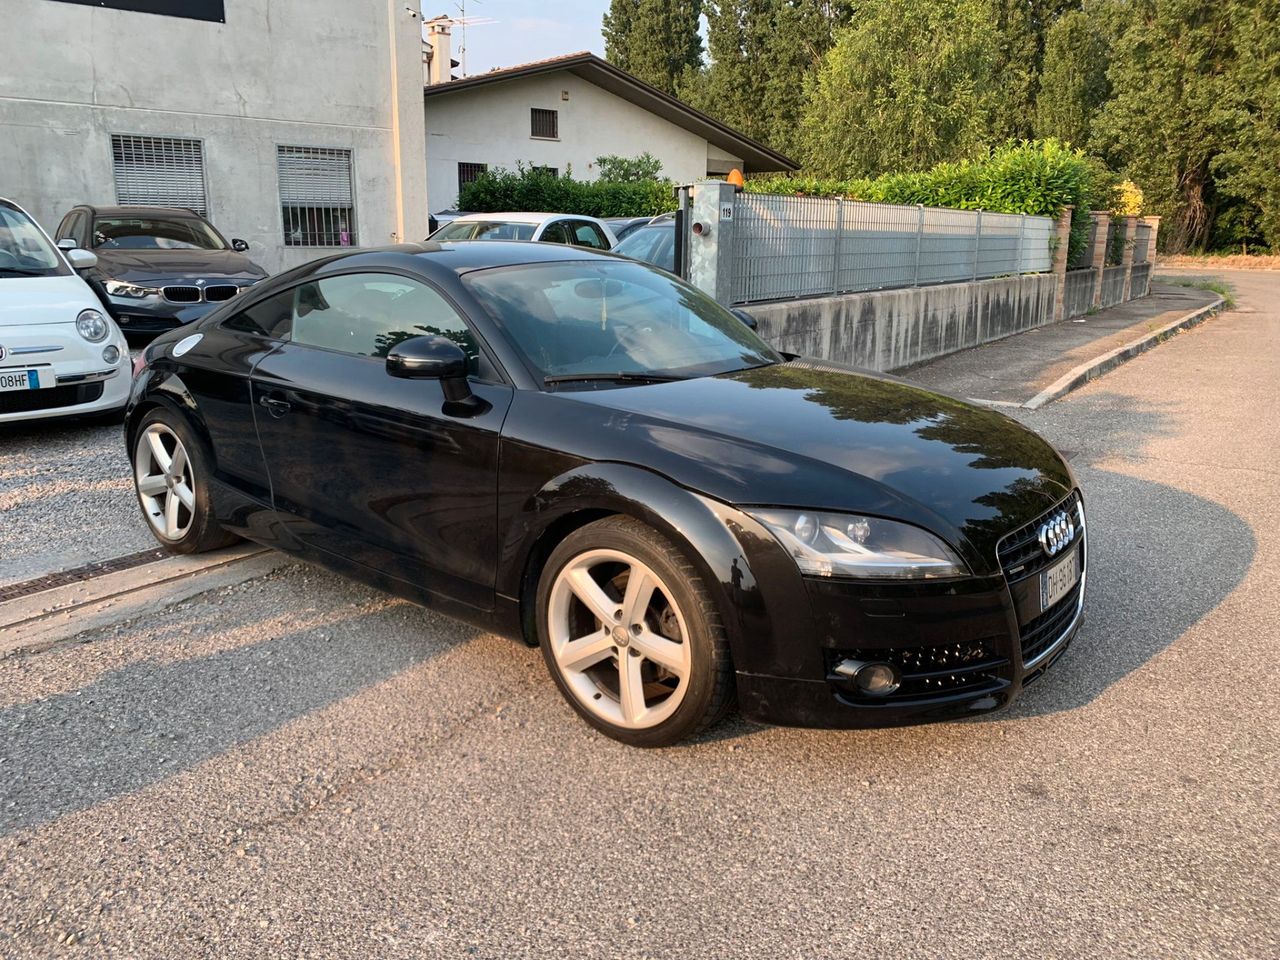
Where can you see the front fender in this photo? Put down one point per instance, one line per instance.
(754, 584)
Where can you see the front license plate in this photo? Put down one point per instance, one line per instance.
(24, 380)
(1057, 581)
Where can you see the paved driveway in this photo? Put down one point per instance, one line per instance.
(300, 767)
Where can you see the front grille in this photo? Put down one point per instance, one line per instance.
(220, 292)
(1020, 552)
(969, 666)
(26, 401)
(182, 294)
(1043, 632)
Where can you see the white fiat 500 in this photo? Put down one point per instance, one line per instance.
(60, 354)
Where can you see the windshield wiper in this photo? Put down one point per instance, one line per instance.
(22, 272)
(619, 376)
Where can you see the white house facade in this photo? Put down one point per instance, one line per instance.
(562, 114)
(295, 124)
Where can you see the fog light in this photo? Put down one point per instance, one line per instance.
(873, 679)
(110, 354)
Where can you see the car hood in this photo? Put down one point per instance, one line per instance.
(824, 436)
(158, 266)
(30, 301)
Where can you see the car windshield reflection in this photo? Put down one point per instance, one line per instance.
(617, 322)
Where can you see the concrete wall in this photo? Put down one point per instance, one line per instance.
(1078, 291)
(888, 329)
(490, 124)
(1140, 282)
(321, 73)
(1113, 285)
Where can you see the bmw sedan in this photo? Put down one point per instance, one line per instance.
(584, 453)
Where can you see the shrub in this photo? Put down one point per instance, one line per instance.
(615, 169)
(534, 190)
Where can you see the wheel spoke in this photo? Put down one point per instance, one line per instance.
(179, 462)
(586, 651)
(589, 592)
(185, 495)
(630, 688)
(151, 486)
(158, 453)
(640, 587)
(666, 653)
(171, 528)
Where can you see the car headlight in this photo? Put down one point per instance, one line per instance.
(92, 325)
(846, 545)
(118, 288)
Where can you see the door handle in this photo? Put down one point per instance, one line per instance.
(275, 406)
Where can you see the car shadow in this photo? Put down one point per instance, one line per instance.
(140, 724)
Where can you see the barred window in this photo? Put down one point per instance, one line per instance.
(547, 171)
(159, 171)
(544, 124)
(470, 173)
(316, 196)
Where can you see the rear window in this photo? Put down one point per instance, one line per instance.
(654, 244)
(485, 230)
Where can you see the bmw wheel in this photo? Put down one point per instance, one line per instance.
(170, 472)
(632, 636)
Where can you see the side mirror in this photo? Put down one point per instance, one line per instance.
(431, 358)
(745, 317)
(81, 259)
(238, 245)
(67, 243)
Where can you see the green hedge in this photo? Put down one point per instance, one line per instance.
(1034, 177)
(533, 190)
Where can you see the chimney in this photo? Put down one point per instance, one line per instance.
(440, 69)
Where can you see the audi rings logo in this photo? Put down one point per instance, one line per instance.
(1056, 533)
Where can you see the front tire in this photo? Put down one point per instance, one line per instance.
(171, 470)
(632, 636)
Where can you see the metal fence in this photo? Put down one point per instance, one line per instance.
(786, 247)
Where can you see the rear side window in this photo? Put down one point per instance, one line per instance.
(588, 235)
(556, 232)
(268, 318)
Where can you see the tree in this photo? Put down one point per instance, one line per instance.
(907, 84)
(656, 40)
(1073, 86)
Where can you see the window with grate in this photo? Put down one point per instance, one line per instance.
(544, 124)
(159, 171)
(316, 196)
(470, 173)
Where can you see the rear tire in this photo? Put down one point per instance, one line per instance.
(171, 470)
(631, 635)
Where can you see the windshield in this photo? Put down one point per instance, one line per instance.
(24, 249)
(150, 233)
(654, 244)
(485, 230)
(620, 317)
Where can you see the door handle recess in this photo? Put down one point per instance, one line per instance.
(275, 406)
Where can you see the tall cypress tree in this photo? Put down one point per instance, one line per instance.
(656, 40)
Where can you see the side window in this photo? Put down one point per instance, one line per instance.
(64, 228)
(366, 314)
(556, 232)
(588, 235)
(268, 318)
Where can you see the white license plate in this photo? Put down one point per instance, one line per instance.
(1057, 581)
(26, 380)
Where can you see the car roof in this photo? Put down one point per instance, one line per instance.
(464, 256)
(516, 217)
(141, 211)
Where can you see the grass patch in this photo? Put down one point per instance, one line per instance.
(1223, 261)
(1220, 287)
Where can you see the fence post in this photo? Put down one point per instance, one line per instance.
(919, 236)
(1130, 236)
(1101, 233)
(977, 246)
(709, 236)
(835, 258)
(1154, 223)
(1060, 263)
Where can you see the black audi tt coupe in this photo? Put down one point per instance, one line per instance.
(583, 452)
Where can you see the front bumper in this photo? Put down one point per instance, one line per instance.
(85, 383)
(962, 647)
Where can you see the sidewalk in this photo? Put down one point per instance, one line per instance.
(1033, 368)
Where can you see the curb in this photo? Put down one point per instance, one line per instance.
(41, 620)
(1078, 376)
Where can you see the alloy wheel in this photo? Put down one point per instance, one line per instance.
(619, 639)
(166, 486)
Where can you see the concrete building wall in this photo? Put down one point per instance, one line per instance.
(313, 73)
(490, 125)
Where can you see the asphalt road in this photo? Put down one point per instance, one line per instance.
(299, 767)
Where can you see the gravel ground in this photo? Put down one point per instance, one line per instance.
(300, 767)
